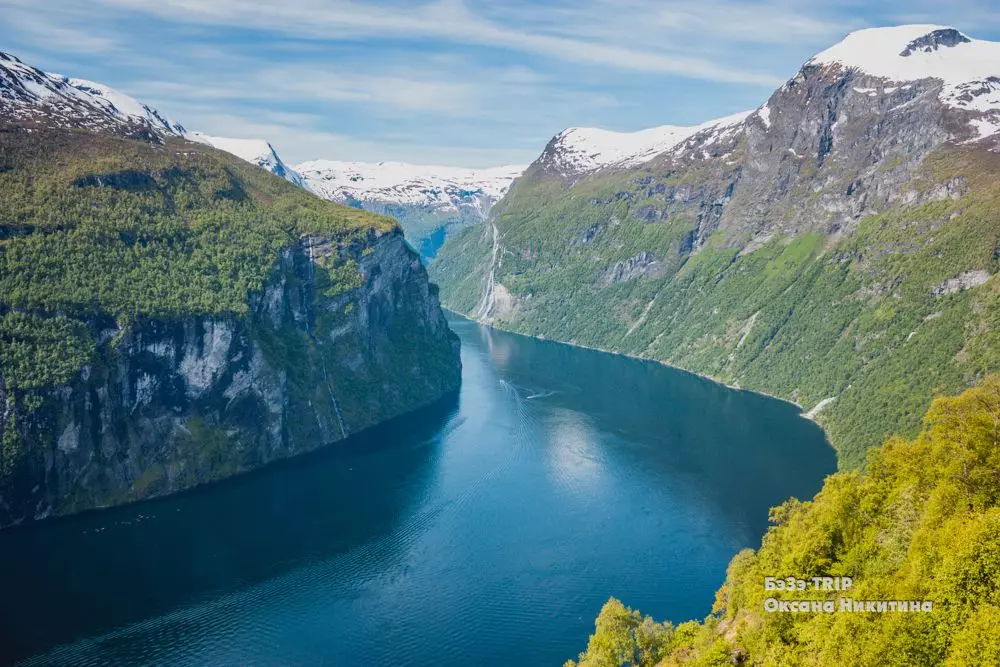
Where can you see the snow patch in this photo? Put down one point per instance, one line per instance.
(968, 68)
(444, 188)
(583, 149)
(764, 113)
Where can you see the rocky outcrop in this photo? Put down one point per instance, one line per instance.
(643, 264)
(963, 281)
(166, 405)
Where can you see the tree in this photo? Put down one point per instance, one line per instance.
(623, 638)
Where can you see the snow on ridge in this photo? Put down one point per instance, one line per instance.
(25, 88)
(126, 107)
(254, 151)
(246, 149)
(912, 52)
(969, 68)
(581, 149)
(406, 184)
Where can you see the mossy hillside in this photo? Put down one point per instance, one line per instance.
(922, 523)
(805, 317)
(100, 224)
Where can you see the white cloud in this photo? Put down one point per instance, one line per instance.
(49, 34)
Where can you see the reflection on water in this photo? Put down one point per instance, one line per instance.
(487, 529)
(574, 452)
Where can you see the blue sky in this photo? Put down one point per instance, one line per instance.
(464, 82)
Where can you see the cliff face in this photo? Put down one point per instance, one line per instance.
(164, 405)
(171, 314)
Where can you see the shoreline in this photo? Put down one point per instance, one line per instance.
(809, 416)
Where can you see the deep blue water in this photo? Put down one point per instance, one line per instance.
(488, 529)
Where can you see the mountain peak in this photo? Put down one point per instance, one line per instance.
(935, 39)
(583, 149)
(29, 94)
(912, 52)
(255, 151)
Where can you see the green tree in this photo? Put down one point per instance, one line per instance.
(622, 637)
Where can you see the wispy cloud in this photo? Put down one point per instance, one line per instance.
(452, 20)
(64, 37)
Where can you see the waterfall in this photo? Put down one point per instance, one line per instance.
(486, 304)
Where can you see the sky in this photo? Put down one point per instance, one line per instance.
(473, 83)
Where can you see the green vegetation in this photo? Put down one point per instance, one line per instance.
(804, 317)
(101, 226)
(922, 523)
(623, 637)
(39, 351)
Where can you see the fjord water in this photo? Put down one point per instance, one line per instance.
(488, 529)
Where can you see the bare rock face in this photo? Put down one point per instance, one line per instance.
(963, 281)
(643, 264)
(167, 405)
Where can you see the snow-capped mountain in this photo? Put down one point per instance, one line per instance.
(446, 188)
(254, 151)
(429, 201)
(27, 93)
(968, 71)
(584, 149)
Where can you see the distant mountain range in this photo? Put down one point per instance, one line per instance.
(430, 202)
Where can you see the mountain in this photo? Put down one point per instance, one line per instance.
(837, 246)
(172, 315)
(580, 150)
(254, 151)
(29, 95)
(429, 202)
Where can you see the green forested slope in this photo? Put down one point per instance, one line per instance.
(921, 524)
(805, 316)
(94, 224)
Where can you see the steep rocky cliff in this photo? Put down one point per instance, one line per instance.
(819, 247)
(163, 405)
(171, 315)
